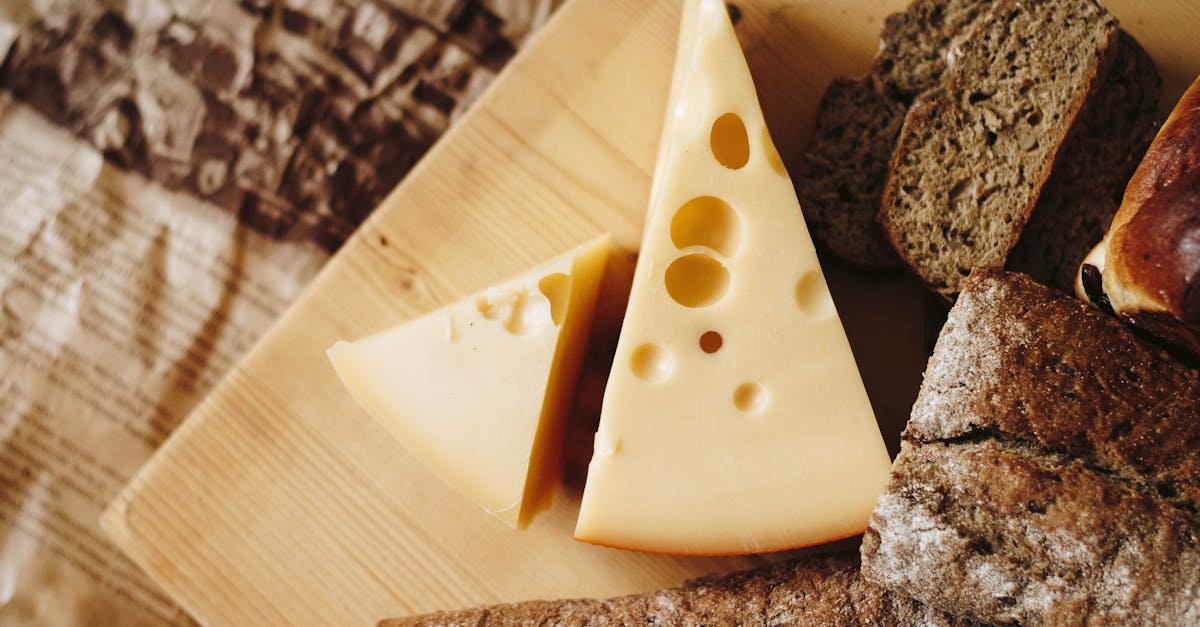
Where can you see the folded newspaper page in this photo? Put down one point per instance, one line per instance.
(171, 176)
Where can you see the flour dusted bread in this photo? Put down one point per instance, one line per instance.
(1053, 543)
(970, 163)
(813, 591)
(1050, 469)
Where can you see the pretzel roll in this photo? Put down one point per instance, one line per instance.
(1147, 268)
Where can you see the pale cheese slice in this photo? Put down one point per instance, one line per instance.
(479, 391)
(735, 419)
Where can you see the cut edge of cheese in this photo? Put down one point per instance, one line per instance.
(735, 419)
(546, 456)
(480, 390)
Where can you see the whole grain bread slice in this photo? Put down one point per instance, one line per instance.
(841, 176)
(970, 164)
(841, 181)
(1084, 190)
(816, 591)
(1050, 469)
(914, 43)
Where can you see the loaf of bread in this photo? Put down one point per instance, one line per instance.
(1050, 472)
(971, 162)
(1147, 268)
(815, 591)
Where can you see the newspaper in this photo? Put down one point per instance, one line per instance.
(172, 173)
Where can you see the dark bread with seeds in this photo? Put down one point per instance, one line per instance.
(970, 164)
(816, 591)
(841, 177)
(1050, 469)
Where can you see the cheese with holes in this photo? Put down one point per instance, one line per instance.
(735, 420)
(479, 391)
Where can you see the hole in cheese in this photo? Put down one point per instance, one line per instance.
(495, 305)
(711, 342)
(557, 289)
(707, 221)
(652, 363)
(730, 146)
(750, 398)
(812, 297)
(696, 280)
(529, 312)
(521, 311)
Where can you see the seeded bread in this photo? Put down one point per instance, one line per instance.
(841, 177)
(1085, 188)
(1050, 471)
(914, 43)
(971, 162)
(816, 591)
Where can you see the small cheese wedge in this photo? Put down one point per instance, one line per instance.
(479, 391)
(735, 419)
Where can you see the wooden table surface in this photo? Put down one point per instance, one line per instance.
(279, 501)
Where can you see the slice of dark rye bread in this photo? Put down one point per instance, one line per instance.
(840, 179)
(1084, 190)
(970, 163)
(914, 43)
(816, 591)
(1050, 471)
(841, 176)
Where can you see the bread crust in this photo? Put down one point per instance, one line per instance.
(1020, 360)
(809, 591)
(1155, 242)
(1008, 534)
(1150, 268)
(1050, 471)
(1173, 155)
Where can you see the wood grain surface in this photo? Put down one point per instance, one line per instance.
(280, 502)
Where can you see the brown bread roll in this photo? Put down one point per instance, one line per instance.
(1147, 268)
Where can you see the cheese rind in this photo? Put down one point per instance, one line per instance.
(735, 419)
(479, 390)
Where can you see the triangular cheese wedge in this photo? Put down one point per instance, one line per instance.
(735, 420)
(479, 391)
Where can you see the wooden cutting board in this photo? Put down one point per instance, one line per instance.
(280, 502)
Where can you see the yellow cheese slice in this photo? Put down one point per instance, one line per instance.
(735, 420)
(479, 391)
